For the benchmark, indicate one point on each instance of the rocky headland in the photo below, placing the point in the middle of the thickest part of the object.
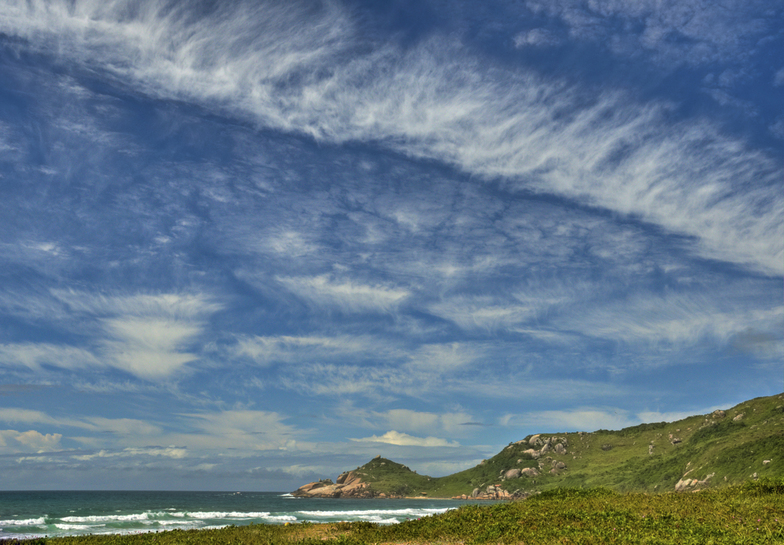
(721, 448)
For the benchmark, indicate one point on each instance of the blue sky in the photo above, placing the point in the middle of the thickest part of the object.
(245, 245)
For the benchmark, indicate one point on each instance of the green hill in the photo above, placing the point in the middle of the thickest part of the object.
(702, 451)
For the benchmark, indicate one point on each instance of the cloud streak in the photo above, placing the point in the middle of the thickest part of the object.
(403, 439)
(612, 151)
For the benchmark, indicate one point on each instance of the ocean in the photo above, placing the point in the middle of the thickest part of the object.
(67, 513)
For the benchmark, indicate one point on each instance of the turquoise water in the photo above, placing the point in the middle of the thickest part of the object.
(36, 514)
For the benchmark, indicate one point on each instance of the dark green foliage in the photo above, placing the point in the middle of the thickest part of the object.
(573, 493)
(636, 430)
(715, 430)
(764, 486)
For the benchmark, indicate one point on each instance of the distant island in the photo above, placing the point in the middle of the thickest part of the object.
(723, 448)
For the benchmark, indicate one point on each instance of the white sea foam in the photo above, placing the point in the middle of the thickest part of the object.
(413, 512)
(225, 514)
(22, 522)
(180, 523)
(109, 518)
(280, 518)
(77, 526)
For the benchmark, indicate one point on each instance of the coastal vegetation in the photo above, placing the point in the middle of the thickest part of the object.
(751, 513)
(719, 449)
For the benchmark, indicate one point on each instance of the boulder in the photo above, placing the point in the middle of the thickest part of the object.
(534, 441)
(530, 472)
(512, 474)
(692, 484)
(532, 453)
(348, 485)
(560, 449)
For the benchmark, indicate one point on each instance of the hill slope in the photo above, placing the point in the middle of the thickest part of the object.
(718, 449)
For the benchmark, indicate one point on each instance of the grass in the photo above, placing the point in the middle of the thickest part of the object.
(653, 457)
(750, 514)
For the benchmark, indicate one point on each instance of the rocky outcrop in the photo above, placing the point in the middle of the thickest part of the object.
(494, 492)
(542, 445)
(692, 484)
(530, 472)
(348, 485)
(512, 474)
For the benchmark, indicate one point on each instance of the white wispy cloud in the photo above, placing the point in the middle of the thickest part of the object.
(403, 439)
(571, 420)
(482, 312)
(594, 418)
(346, 295)
(136, 452)
(443, 357)
(682, 319)
(127, 427)
(240, 429)
(436, 101)
(145, 335)
(778, 78)
(692, 31)
(149, 348)
(34, 355)
(170, 305)
(311, 348)
(452, 423)
(537, 37)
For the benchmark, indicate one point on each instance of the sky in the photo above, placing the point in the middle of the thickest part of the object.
(245, 245)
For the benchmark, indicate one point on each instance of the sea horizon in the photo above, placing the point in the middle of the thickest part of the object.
(26, 514)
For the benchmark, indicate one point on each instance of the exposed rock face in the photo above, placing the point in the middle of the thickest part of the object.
(530, 472)
(692, 484)
(348, 485)
(495, 492)
(512, 474)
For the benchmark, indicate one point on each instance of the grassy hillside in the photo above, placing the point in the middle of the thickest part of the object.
(702, 451)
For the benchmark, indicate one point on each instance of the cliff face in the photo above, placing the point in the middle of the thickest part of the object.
(701, 451)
